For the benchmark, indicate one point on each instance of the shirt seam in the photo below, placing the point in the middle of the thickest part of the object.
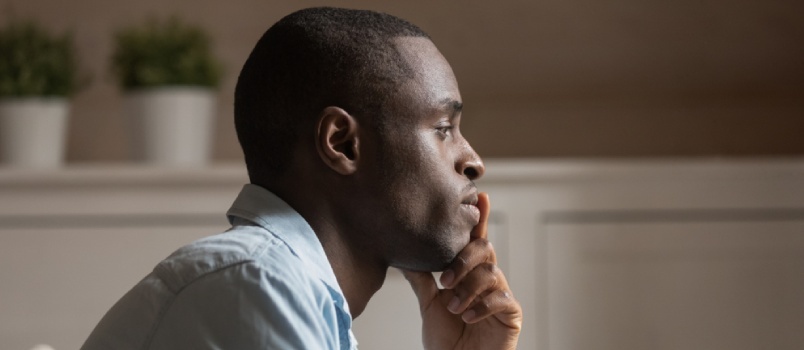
(160, 317)
(174, 295)
(260, 250)
(161, 269)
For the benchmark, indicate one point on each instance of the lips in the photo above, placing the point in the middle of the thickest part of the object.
(473, 212)
(469, 206)
(470, 199)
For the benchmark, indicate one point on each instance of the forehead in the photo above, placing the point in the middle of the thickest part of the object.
(433, 85)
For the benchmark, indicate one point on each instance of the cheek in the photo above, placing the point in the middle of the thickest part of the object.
(431, 178)
(416, 175)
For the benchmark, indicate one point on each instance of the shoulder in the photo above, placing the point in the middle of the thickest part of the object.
(245, 293)
(250, 252)
(241, 289)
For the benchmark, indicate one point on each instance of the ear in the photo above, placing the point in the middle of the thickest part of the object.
(337, 140)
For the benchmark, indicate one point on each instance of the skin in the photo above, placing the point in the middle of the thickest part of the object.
(405, 198)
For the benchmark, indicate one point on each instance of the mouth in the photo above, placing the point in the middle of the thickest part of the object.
(470, 199)
(469, 206)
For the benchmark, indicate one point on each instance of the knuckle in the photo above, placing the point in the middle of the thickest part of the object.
(460, 262)
(483, 306)
(506, 297)
(491, 269)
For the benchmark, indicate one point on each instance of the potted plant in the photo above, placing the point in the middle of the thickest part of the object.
(37, 77)
(169, 78)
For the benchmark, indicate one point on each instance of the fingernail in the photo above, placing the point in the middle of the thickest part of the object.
(468, 316)
(447, 277)
(453, 305)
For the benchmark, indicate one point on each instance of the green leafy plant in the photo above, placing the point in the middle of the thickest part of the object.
(164, 53)
(34, 62)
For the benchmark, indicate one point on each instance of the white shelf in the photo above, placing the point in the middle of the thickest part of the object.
(122, 174)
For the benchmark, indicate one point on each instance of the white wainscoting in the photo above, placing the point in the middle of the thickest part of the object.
(635, 255)
(74, 241)
(673, 254)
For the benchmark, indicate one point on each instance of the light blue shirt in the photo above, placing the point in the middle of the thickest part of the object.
(264, 284)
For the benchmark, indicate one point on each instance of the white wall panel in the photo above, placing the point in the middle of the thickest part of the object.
(602, 254)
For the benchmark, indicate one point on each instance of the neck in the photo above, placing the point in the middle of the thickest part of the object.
(359, 275)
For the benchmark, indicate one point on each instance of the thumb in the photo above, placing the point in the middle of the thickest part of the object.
(423, 284)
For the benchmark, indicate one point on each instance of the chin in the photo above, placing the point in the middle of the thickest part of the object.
(433, 254)
(423, 266)
(444, 263)
(435, 260)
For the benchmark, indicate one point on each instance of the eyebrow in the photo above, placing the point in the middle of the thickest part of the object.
(452, 106)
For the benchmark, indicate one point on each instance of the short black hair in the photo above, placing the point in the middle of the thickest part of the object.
(309, 60)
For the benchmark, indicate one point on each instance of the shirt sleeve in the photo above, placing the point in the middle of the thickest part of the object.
(246, 306)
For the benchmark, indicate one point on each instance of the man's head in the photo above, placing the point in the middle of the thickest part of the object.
(309, 60)
(369, 101)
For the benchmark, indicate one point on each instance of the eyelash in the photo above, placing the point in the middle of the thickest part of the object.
(445, 130)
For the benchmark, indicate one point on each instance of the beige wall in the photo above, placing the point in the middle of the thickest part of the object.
(539, 78)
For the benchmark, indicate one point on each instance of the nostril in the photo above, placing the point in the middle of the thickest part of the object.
(471, 173)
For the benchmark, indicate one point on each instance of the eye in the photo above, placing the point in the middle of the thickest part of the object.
(444, 130)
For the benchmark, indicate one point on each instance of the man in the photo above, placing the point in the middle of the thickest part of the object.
(349, 122)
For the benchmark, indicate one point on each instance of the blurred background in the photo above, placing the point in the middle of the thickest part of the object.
(644, 160)
(546, 78)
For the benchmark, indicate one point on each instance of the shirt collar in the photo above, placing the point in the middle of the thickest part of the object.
(262, 207)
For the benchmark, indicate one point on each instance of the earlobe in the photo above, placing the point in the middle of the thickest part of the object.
(337, 140)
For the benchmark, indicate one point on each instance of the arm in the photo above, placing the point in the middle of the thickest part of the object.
(476, 309)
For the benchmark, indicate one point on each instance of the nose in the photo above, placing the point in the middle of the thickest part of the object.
(469, 163)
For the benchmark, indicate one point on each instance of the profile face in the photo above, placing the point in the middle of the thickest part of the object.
(425, 166)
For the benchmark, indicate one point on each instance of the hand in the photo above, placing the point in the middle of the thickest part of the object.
(476, 309)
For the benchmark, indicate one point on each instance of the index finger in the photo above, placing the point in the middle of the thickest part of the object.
(481, 229)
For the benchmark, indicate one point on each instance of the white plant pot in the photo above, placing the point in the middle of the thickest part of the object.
(171, 126)
(33, 131)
